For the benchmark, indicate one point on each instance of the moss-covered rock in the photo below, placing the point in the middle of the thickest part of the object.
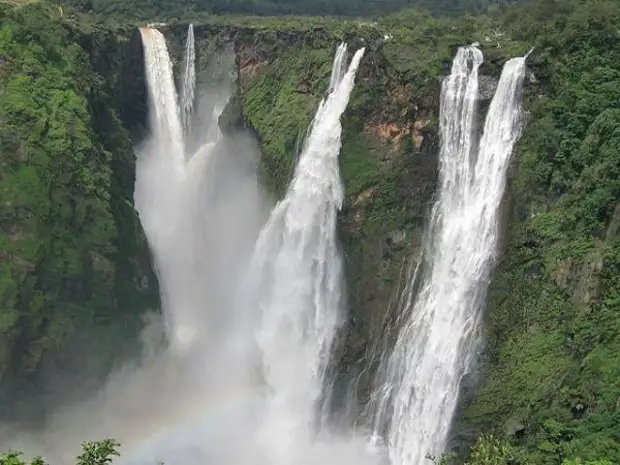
(75, 269)
(552, 330)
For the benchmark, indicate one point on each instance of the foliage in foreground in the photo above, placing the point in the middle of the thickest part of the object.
(93, 453)
(488, 450)
(492, 450)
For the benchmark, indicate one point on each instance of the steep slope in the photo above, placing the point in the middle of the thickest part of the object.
(550, 379)
(75, 270)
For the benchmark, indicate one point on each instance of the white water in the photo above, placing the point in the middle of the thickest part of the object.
(196, 389)
(297, 274)
(188, 79)
(162, 197)
(434, 348)
(292, 304)
(339, 67)
(165, 119)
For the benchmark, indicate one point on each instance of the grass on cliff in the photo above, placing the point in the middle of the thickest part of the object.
(554, 326)
(63, 222)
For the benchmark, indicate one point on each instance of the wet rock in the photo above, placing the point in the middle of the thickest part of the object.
(487, 86)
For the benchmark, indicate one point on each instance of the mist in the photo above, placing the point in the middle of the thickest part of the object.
(233, 367)
(201, 226)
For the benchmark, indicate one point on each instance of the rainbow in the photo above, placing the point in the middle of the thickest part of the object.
(190, 427)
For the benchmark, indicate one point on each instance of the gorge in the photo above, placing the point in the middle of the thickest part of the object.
(435, 194)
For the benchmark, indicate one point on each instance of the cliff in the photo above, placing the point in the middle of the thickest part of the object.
(76, 275)
(547, 381)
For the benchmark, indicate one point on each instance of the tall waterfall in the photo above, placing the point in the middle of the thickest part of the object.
(167, 191)
(201, 221)
(435, 345)
(188, 79)
(165, 119)
(272, 344)
(298, 274)
(237, 384)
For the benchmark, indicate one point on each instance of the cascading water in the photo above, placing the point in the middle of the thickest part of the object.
(198, 237)
(297, 272)
(419, 390)
(188, 79)
(165, 119)
(338, 68)
(160, 190)
(293, 310)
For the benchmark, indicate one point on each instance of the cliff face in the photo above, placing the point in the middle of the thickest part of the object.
(546, 379)
(75, 269)
(75, 265)
(552, 327)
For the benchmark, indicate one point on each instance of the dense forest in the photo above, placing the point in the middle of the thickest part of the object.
(74, 267)
(171, 9)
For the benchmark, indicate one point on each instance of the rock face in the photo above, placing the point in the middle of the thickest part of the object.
(486, 86)
(388, 164)
(76, 271)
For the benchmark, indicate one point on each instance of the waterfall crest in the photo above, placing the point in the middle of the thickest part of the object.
(418, 392)
(164, 114)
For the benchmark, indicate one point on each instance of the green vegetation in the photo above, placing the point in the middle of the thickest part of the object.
(170, 9)
(69, 248)
(553, 327)
(72, 256)
(93, 453)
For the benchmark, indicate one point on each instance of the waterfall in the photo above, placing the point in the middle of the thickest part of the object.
(274, 323)
(166, 195)
(419, 390)
(338, 67)
(188, 79)
(297, 271)
(165, 117)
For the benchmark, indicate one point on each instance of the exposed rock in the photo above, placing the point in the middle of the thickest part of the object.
(397, 238)
(579, 411)
(395, 134)
(248, 70)
(231, 118)
(513, 427)
(364, 196)
(487, 86)
(304, 87)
